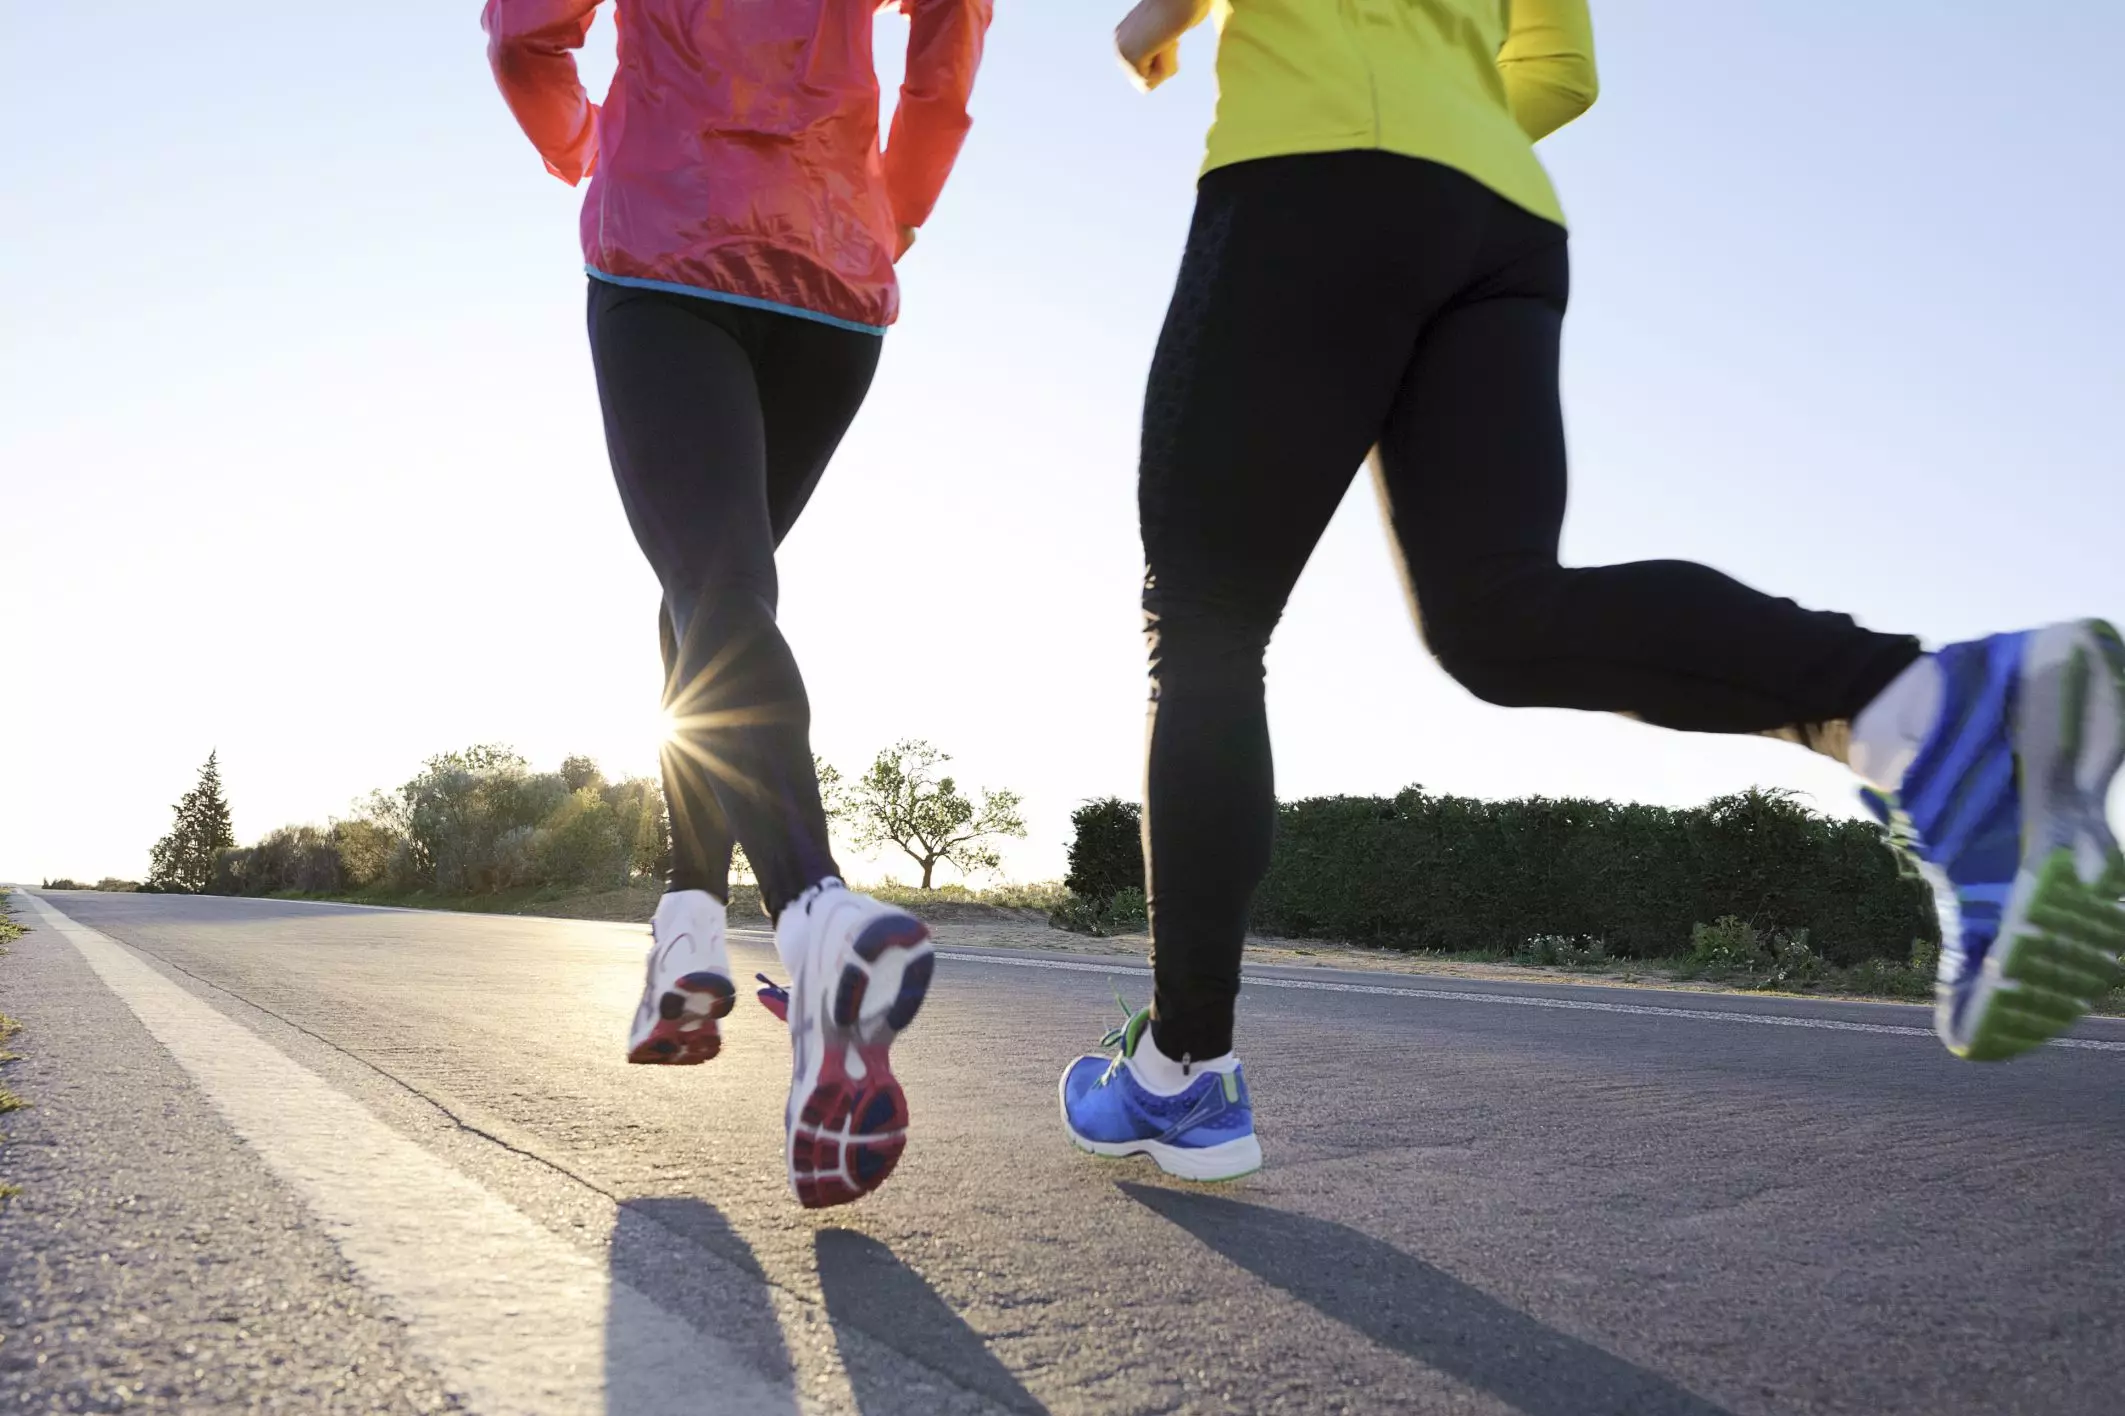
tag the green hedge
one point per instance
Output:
(1425, 872)
(1454, 873)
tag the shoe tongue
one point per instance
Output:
(1133, 1031)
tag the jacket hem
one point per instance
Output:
(750, 302)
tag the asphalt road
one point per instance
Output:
(297, 1157)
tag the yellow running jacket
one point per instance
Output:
(1468, 83)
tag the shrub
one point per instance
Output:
(1121, 913)
(298, 859)
(638, 805)
(1887, 977)
(232, 872)
(404, 872)
(365, 848)
(62, 883)
(1793, 963)
(580, 843)
(516, 858)
(1106, 849)
(1556, 950)
(1926, 958)
(1728, 943)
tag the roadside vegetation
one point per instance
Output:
(482, 829)
(10, 931)
(1733, 954)
(637, 900)
(1752, 891)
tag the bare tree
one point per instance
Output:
(902, 801)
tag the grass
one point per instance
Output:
(1042, 897)
(1875, 978)
(635, 903)
(9, 931)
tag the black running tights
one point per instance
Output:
(1334, 304)
(719, 420)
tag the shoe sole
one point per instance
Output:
(2064, 926)
(1227, 1160)
(846, 1126)
(686, 1034)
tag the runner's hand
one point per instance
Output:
(1149, 38)
(907, 239)
(1154, 68)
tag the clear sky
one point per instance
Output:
(301, 458)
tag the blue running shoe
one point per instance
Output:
(2003, 811)
(1204, 1133)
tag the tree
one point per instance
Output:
(183, 861)
(460, 806)
(833, 791)
(903, 802)
(579, 772)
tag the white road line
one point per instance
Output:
(1439, 995)
(515, 1319)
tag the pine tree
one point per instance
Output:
(183, 861)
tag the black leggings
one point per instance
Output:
(1337, 303)
(720, 420)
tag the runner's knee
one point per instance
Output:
(1493, 638)
(1204, 643)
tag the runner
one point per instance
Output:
(1377, 262)
(740, 233)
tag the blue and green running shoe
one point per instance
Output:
(1203, 1133)
(2003, 811)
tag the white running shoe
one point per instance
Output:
(860, 970)
(688, 985)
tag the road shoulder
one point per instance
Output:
(150, 1260)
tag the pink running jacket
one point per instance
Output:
(736, 156)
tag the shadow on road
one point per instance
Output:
(868, 1289)
(658, 1248)
(1406, 1304)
